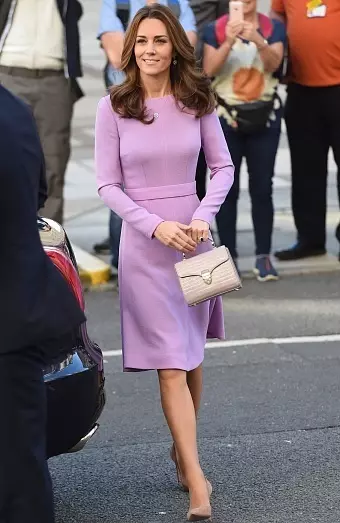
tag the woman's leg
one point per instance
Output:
(226, 218)
(201, 175)
(261, 152)
(115, 233)
(195, 384)
(179, 411)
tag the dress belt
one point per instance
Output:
(161, 191)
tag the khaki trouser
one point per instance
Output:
(52, 105)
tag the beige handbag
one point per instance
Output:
(207, 275)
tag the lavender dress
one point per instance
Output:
(156, 164)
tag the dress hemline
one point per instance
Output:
(174, 367)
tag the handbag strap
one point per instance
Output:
(211, 239)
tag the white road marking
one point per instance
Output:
(327, 338)
(110, 353)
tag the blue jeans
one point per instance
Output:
(259, 150)
(114, 77)
(115, 230)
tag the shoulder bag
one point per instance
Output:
(207, 275)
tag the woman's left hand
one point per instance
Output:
(249, 32)
(198, 230)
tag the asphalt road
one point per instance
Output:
(269, 427)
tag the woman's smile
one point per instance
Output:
(150, 61)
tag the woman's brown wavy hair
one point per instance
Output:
(190, 87)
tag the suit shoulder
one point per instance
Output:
(12, 107)
(19, 145)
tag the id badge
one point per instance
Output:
(316, 9)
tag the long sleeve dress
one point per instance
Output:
(146, 174)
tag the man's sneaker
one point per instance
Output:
(265, 270)
(299, 251)
(102, 247)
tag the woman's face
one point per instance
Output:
(249, 6)
(153, 48)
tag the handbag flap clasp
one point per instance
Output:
(210, 260)
(206, 276)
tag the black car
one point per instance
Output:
(75, 382)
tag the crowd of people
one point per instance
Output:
(246, 61)
(152, 75)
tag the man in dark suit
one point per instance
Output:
(37, 311)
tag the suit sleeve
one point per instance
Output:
(109, 174)
(221, 168)
(42, 186)
(42, 196)
(28, 146)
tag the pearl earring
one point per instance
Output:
(174, 61)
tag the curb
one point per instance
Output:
(93, 271)
(95, 274)
(316, 265)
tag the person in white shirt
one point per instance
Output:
(39, 62)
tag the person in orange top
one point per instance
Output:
(312, 115)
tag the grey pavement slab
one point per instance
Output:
(269, 441)
(248, 390)
(278, 478)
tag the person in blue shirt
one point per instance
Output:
(115, 15)
(111, 27)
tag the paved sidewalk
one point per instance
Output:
(87, 218)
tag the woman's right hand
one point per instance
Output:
(173, 234)
(233, 29)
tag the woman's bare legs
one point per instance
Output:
(179, 411)
(195, 384)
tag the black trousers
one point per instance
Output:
(25, 484)
(259, 150)
(313, 125)
(201, 175)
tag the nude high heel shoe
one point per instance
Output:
(200, 513)
(180, 478)
(203, 512)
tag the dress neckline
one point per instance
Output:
(159, 98)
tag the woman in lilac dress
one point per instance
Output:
(149, 132)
